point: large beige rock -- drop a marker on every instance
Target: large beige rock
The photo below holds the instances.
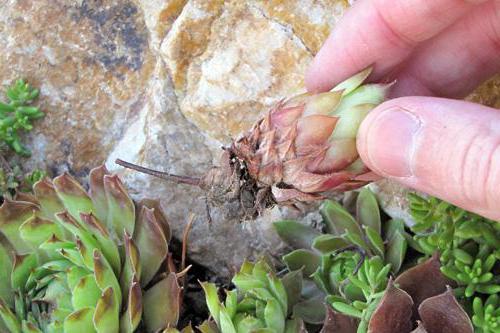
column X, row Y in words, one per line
column 163, row 83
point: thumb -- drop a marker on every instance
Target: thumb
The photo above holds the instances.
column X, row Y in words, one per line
column 447, row 148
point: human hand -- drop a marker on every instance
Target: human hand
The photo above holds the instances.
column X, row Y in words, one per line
column 445, row 48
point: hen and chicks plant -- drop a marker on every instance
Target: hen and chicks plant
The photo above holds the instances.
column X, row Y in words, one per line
column 78, row 261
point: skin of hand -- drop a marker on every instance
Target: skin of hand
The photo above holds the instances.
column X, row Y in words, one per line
column 436, row 50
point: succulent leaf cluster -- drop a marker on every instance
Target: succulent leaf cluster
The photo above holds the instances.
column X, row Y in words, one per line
column 350, row 263
column 17, row 114
column 469, row 248
column 13, row 181
column 262, row 302
column 74, row 261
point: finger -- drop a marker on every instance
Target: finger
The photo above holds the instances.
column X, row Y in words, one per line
column 380, row 32
column 447, row 148
column 457, row 61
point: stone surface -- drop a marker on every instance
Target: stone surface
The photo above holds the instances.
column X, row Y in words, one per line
column 164, row 83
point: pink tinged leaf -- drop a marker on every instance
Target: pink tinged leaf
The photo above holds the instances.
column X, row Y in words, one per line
column 152, row 244
column 159, row 215
column 323, row 103
column 443, row 314
column 46, row 195
column 313, row 131
column 422, row 281
column 394, row 312
column 287, row 116
column 98, row 193
column 106, row 316
column 284, row 195
column 162, row 304
column 310, row 182
column 72, row 195
column 133, row 314
column 337, row 322
column 296, row 100
column 121, row 209
column 12, row 215
column 339, row 155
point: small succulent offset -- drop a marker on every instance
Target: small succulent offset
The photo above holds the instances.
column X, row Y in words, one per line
column 17, row 114
column 350, row 264
column 85, row 262
column 262, row 302
column 13, row 181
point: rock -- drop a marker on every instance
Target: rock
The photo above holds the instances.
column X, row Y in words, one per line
column 163, row 83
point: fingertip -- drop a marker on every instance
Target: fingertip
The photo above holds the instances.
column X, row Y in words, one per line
column 386, row 139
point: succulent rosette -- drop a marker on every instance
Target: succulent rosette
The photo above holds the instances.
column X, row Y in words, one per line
column 261, row 302
column 74, row 261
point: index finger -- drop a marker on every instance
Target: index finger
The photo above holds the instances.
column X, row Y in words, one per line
column 381, row 33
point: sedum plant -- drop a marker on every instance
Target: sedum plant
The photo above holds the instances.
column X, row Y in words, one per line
column 351, row 262
column 262, row 302
column 469, row 247
column 486, row 314
column 17, row 114
column 74, row 261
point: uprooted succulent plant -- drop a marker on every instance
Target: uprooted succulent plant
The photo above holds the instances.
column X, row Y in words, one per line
column 302, row 150
column 350, row 263
column 261, row 302
column 420, row 296
column 85, row 262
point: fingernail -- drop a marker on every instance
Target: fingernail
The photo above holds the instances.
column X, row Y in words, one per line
column 390, row 141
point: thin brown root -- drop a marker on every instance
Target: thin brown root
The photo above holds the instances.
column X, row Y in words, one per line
column 160, row 174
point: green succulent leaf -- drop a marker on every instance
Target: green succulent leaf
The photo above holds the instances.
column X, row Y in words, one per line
column 329, row 243
column 337, row 220
column 302, row 259
column 162, row 304
column 296, row 234
column 151, row 243
column 106, row 315
column 367, row 211
column 396, row 251
column 80, row 321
